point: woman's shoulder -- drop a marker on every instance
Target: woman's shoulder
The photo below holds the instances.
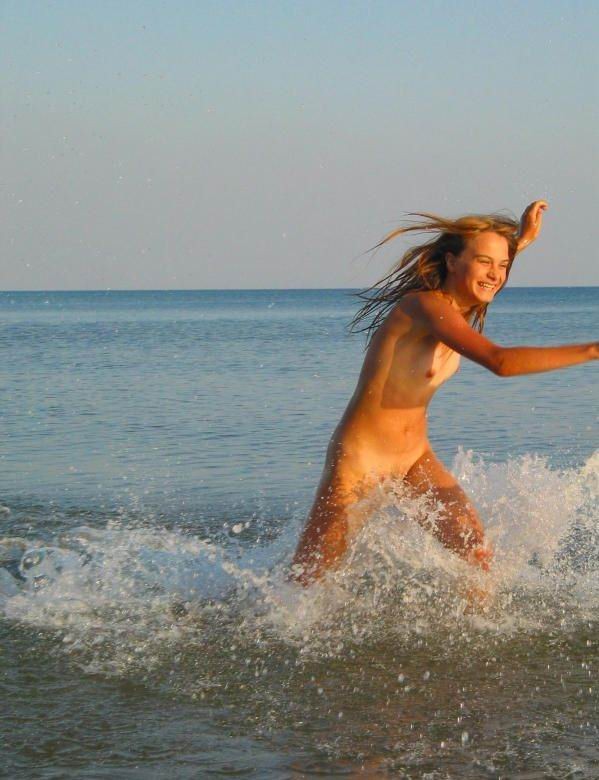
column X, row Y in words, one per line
column 408, row 309
column 415, row 299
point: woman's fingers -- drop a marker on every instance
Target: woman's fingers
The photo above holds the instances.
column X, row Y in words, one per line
column 539, row 207
column 534, row 210
column 530, row 224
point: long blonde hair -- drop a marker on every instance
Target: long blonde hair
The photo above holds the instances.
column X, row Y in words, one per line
column 423, row 267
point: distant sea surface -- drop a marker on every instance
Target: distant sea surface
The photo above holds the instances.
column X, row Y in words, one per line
column 159, row 454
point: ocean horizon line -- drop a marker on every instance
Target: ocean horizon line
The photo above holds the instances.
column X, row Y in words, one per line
column 263, row 289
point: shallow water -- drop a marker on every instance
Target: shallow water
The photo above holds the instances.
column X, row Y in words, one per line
column 162, row 451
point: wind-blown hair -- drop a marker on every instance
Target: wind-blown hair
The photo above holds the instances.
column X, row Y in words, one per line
column 423, row 267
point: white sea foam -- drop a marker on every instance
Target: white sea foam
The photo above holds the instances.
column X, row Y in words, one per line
column 124, row 594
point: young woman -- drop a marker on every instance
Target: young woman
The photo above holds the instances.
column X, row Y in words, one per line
column 426, row 313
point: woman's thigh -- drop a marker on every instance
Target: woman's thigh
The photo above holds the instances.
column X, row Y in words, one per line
column 334, row 516
column 428, row 473
column 457, row 524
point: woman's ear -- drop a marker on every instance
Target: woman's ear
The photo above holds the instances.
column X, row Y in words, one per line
column 450, row 261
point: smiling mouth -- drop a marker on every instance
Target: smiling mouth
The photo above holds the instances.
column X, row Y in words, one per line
column 486, row 286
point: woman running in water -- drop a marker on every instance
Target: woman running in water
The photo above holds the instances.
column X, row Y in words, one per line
column 427, row 312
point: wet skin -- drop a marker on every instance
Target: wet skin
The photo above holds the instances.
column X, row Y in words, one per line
column 383, row 432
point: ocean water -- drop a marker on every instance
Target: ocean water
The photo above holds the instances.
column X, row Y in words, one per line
column 159, row 454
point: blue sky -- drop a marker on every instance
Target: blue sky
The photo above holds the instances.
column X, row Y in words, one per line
column 268, row 144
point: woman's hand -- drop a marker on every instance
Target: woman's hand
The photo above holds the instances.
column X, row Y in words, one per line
column 530, row 223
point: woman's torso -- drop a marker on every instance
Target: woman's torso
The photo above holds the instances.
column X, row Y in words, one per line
column 383, row 430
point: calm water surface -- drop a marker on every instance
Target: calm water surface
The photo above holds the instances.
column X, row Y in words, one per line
column 160, row 451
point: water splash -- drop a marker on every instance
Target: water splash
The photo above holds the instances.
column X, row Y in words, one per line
column 124, row 598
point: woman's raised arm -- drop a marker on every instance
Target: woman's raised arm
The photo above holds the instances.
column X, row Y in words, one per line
column 449, row 326
column 531, row 223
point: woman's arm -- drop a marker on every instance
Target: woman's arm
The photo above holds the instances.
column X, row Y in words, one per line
column 514, row 361
column 448, row 325
column 530, row 223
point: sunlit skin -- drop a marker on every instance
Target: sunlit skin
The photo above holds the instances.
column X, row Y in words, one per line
column 383, row 432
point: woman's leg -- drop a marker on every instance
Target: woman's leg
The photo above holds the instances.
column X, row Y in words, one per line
column 458, row 526
column 324, row 538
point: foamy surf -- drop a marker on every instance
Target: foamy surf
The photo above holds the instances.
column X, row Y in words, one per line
column 120, row 591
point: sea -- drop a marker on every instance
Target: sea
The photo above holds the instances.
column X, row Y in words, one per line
column 159, row 454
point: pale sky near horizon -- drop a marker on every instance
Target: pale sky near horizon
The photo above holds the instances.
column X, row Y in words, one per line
column 268, row 144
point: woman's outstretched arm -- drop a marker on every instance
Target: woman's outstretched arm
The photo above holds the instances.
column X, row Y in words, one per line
column 513, row 361
column 448, row 325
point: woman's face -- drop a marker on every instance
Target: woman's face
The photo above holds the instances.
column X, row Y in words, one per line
column 479, row 271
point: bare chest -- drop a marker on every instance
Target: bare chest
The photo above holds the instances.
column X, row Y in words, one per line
column 437, row 364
